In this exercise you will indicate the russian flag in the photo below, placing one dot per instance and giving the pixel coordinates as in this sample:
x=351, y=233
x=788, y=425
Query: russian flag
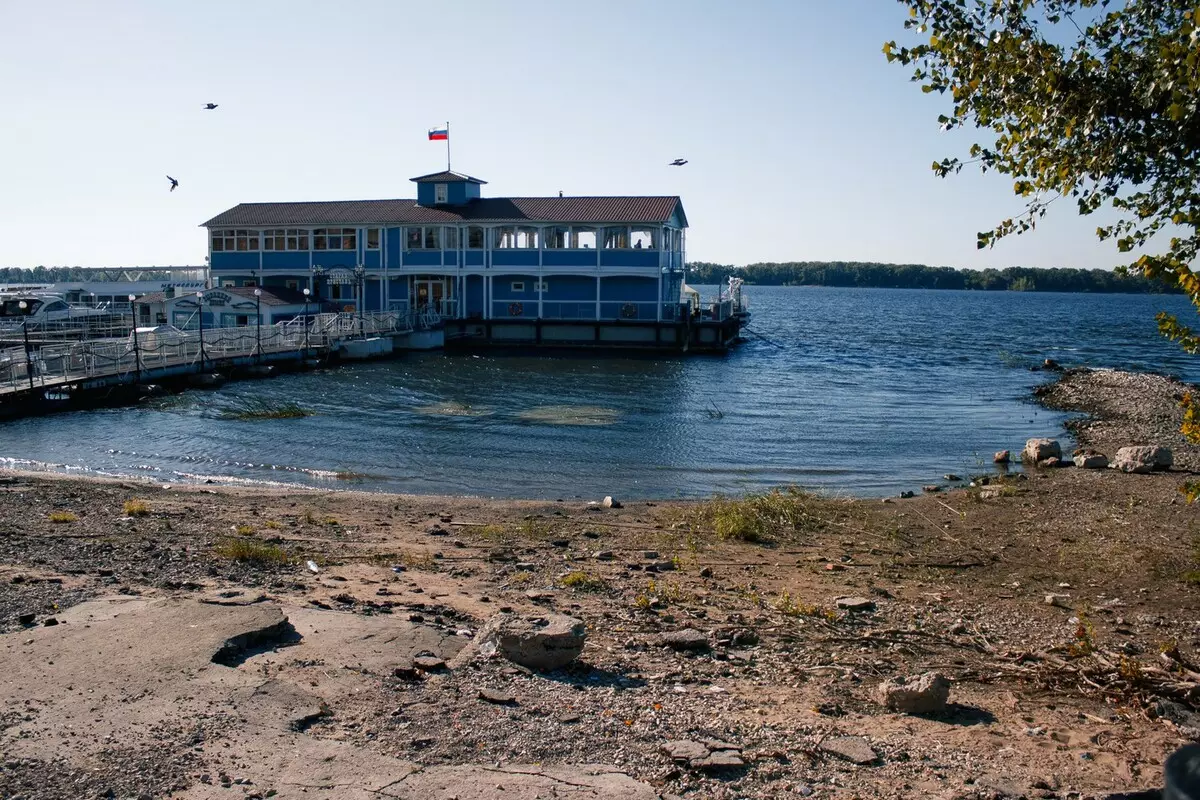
x=438, y=134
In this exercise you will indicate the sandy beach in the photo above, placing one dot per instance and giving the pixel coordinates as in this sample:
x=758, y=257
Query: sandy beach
x=197, y=641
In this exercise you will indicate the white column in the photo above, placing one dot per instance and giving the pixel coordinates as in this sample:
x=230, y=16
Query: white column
x=658, y=306
x=597, y=295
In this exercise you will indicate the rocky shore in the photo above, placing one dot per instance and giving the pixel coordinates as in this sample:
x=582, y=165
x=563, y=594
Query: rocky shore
x=1032, y=637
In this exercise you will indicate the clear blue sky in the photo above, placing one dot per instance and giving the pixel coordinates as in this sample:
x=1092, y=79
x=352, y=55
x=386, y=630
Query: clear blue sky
x=804, y=143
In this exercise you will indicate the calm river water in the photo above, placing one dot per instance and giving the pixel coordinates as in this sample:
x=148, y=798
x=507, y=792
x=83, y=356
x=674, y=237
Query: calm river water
x=856, y=391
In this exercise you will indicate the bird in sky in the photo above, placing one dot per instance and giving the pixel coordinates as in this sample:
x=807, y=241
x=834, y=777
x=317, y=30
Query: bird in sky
x=174, y=183
x=209, y=106
x=679, y=162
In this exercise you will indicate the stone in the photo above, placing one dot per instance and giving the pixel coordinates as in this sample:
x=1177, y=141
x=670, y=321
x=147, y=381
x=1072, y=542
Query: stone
x=931, y=488
x=1051, y=365
x=429, y=663
x=854, y=604
x=537, y=642
x=1001, y=457
x=1186, y=720
x=1090, y=460
x=719, y=759
x=1058, y=600
x=950, y=476
x=685, y=639
x=1142, y=459
x=608, y=502
x=1038, y=450
x=743, y=638
x=663, y=566
x=906, y=495
x=854, y=749
x=1050, y=463
x=496, y=696
x=26, y=619
x=539, y=595
x=603, y=555
x=650, y=555
x=407, y=672
x=922, y=694
x=684, y=750
x=706, y=572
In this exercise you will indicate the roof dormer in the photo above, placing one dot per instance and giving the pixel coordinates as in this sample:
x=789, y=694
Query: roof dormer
x=446, y=189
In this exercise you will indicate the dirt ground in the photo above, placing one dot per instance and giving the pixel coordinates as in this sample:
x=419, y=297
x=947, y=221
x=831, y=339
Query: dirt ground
x=137, y=690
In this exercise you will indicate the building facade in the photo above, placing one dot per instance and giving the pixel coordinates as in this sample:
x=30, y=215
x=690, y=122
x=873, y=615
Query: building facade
x=458, y=254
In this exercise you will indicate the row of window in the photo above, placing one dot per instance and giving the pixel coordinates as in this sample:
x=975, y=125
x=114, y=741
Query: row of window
x=437, y=237
x=245, y=240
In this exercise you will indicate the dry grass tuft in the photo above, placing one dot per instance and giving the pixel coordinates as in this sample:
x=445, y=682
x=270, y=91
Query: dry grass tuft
x=583, y=581
x=252, y=551
x=62, y=517
x=135, y=508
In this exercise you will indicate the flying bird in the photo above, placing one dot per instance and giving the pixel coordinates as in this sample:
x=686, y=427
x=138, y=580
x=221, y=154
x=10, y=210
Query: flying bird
x=174, y=183
x=679, y=162
x=209, y=106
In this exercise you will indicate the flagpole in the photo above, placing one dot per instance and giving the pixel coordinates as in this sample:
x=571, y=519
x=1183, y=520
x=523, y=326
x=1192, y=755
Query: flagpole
x=447, y=146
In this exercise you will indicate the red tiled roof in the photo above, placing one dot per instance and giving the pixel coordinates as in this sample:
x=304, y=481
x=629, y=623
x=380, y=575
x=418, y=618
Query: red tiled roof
x=586, y=210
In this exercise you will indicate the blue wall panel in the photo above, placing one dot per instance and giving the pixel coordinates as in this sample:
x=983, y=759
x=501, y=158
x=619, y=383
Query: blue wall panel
x=294, y=261
x=570, y=287
x=630, y=289
x=398, y=290
x=238, y=261
x=629, y=258
x=502, y=288
x=474, y=258
x=372, y=259
x=422, y=258
x=569, y=258
x=450, y=258
x=393, y=237
x=474, y=300
x=515, y=258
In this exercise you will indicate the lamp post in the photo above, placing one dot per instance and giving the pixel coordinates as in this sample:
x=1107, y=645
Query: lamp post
x=258, y=322
x=200, y=316
x=24, y=306
x=317, y=272
x=307, y=292
x=137, y=355
x=360, y=272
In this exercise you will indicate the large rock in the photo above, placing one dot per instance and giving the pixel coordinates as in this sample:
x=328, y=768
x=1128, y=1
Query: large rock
x=685, y=639
x=1090, y=459
x=543, y=642
x=1038, y=450
x=922, y=694
x=1142, y=459
x=854, y=749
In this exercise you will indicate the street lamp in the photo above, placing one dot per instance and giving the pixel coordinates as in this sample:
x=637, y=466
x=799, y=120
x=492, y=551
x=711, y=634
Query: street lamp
x=307, y=292
x=24, y=306
x=137, y=355
x=200, y=314
x=258, y=322
x=360, y=272
x=317, y=272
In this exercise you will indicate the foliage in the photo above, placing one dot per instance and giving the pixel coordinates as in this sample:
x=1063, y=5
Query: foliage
x=135, y=508
x=583, y=581
x=919, y=276
x=251, y=408
x=251, y=551
x=1079, y=99
x=759, y=517
x=795, y=607
x=62, y=517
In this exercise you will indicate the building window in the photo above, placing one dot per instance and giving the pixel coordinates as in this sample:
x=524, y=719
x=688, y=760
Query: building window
x=518, y=286
x=250, y=283
x=228, y=284
x=293, y=285
x=583, y=238
x=616, y=237
x=372, y=238
x=297, y=239
x=239, y=239
x=412, y=239
x=334, y=239
x=558, y=238
x=527, y=238
x=451, y=238
x=504, y=238
x=433, y=238
x=441, y=193
x=541, y=286
x=289, y=239
x=475, y=237
x=643, y=238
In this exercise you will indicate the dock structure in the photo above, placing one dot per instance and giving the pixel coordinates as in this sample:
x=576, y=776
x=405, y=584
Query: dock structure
x=531, y=271
x=41, y=371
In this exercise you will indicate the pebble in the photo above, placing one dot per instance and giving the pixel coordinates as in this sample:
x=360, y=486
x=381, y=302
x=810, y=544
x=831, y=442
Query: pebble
x=496, y=696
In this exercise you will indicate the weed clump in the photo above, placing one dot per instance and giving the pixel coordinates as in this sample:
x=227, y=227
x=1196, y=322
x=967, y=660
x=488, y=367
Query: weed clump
x=795, y=607
x=760, y=518
x=583, y=581
x=252, y=408
x=135, y=508
x=255, y=553
x=62, y=517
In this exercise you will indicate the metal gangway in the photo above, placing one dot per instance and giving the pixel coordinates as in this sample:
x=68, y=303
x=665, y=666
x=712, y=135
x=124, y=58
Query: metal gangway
x=148, y=356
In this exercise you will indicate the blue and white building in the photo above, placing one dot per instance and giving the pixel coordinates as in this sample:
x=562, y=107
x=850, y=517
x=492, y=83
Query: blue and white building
x=494, y=268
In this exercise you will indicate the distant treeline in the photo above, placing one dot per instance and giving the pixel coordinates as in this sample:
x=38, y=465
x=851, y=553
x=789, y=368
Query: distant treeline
x=919, y=276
